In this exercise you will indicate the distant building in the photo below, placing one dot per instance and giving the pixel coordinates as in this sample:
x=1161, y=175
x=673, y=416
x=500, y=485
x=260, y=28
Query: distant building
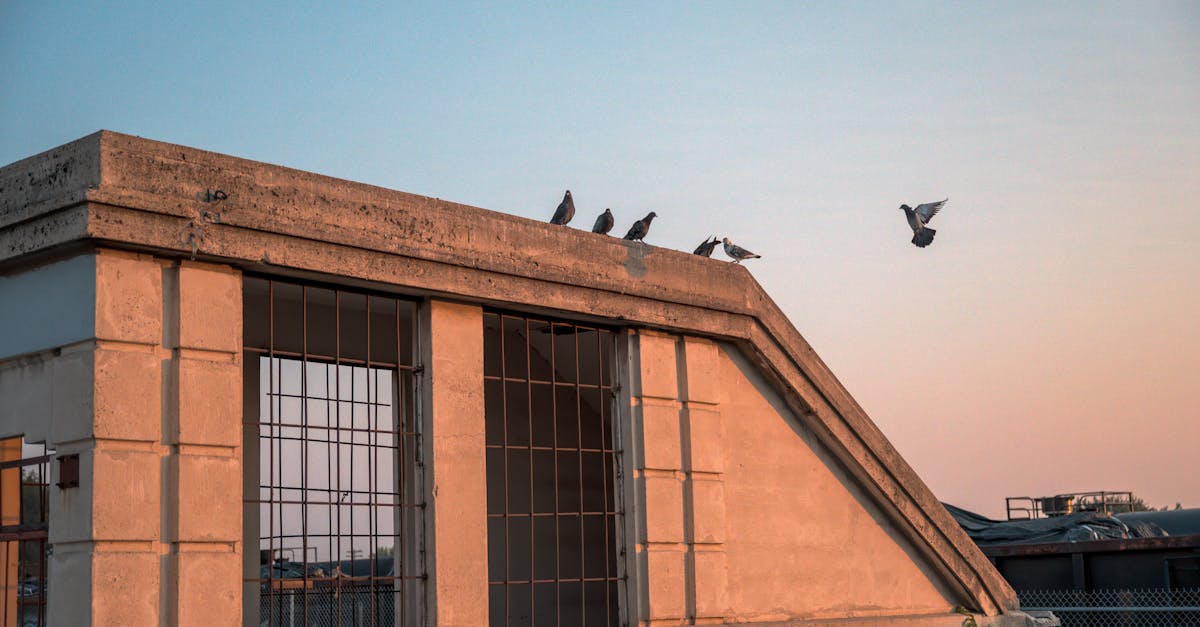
x=269, y=397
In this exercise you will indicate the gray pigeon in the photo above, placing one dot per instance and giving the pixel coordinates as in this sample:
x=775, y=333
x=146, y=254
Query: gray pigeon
x=737, y=252
x=604, y=222
x=565, y=211
x=706, y=247
x=640, y=228
x=918, y=218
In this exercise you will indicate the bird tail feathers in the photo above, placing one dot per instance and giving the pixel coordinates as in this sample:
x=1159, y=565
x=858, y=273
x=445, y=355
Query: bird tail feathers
x=924, y=237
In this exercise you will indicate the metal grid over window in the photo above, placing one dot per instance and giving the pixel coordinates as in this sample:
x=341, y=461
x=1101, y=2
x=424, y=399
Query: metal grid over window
x=552, y=473
x=332, y=455
x=24, y=485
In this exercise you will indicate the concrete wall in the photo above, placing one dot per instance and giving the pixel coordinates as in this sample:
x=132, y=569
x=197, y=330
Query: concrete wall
x=743, y=516
x=150, y=399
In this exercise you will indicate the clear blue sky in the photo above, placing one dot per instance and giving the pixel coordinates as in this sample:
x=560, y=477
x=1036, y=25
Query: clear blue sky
x=1049, y=340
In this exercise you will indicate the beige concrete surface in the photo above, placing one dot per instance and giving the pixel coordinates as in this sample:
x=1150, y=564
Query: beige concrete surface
x=456, y=515
x=157, y=428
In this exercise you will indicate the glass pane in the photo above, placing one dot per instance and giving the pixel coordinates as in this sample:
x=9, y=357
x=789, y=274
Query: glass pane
x=589, y=357
x=543, y=481
x=516, y=412
x=493, y=401
x=520, y=605
x=491, y=346
x=514, y=348
x=518, y=481
x=383, y=330
x=519, y=547
x=256, y=320
x=287, y=318
x=497, y=546
x=540, y=351
x=545, y=547
x=352, y=326
x=495, y=481
x=570, y=549
x=564, y=353
x=545, y=604
x=321, y=322
x=542, y=413
x=566, y=410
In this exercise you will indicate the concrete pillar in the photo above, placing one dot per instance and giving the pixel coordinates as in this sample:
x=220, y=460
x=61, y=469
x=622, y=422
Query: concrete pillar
x=108, y=397
x=204, y=439
x=456, y=472
x=149, y=397
x=678, y=465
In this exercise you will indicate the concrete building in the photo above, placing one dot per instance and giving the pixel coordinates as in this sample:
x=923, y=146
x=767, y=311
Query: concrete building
x=237, y=393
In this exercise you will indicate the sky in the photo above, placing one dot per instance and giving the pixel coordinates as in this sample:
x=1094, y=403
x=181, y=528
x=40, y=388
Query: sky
x=1047, y=342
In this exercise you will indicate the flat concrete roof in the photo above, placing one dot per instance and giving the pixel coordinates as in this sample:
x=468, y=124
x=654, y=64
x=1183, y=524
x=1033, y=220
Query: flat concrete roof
x=115, y=190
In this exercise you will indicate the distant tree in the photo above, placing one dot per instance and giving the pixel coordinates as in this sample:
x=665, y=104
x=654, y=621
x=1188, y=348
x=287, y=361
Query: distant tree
x=1136, y=504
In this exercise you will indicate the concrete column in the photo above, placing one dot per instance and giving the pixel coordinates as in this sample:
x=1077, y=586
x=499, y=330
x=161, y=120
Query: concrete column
x=678, y=480
x=659, y=481
x=107, y=408
x=456, y=470
x=704, y=463
x=204, y=439
x=149, y=397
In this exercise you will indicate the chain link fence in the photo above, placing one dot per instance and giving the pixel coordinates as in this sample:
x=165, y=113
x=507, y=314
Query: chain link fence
x=345, y=606
x=1139, y=607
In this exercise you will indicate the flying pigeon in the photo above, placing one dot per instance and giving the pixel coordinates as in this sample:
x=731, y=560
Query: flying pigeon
x=565, y=211
x=604, y=222
x=641, y=227
x=918, y=218
x=706, y=247
x=737, y=252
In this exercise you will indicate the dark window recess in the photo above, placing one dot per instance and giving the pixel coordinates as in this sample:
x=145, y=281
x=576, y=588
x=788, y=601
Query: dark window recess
x=333, y=490
x=552, y=482
x=24, y=527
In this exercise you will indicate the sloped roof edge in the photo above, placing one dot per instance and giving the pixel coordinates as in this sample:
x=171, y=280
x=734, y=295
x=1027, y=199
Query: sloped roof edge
x=130, y=192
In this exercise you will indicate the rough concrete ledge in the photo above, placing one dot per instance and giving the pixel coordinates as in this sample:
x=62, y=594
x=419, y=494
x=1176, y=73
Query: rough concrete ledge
x=128, y=192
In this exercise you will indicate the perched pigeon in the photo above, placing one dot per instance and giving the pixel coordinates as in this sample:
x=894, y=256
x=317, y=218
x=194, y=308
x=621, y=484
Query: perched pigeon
x=918, y=218
x=706, y=247
x=565, y=211
x=604, y=222
x=737, y=252
x=641, y=227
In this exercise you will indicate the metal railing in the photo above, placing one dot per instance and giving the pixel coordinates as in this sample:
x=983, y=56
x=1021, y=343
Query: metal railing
x=1030, y=507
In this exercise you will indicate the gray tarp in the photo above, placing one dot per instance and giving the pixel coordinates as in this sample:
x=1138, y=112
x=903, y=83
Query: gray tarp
x=1077, y=527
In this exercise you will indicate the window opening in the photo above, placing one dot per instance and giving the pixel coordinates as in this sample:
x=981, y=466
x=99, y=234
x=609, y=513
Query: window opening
x=24, y=527
x=552, y=473
x=334, y=497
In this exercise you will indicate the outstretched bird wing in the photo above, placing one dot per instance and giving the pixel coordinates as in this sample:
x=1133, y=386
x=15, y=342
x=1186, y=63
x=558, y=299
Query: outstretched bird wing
x=706, y=247
x=929, y=209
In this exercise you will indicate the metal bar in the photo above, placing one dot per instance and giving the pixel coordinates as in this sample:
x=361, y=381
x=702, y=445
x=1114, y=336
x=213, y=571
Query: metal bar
x=529, y=428
x=304, y=445
x=504, y=440
x=554, y=448
x=582, y=527
x=398, y=416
